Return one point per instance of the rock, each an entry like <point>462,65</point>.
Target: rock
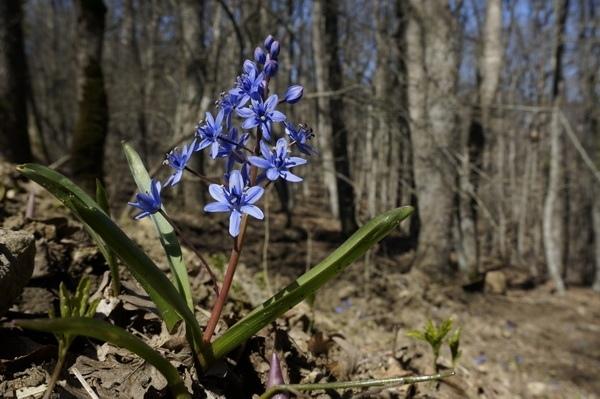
<point>495,282</point>
<point>17,254</point>
<point>537,388</point>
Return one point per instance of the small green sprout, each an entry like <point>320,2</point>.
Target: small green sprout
<point>435,336</point>
<point>71,305</point>
<point>453,344</point>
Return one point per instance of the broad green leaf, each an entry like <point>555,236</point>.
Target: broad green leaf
<point>166,298</point>
<point>117,336</point>
<point>311,281</point>
<point>102,200</point>
<point>166,233</point>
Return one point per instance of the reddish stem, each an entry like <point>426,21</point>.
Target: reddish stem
<point>215,315</point>
<point>234,258</point>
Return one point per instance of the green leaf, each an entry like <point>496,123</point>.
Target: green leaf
<point>109,256</point>
<point>166,298</point>
<point>311,281</point>
<point>454,344</point>
<point>166,233</point>
<point>416,334</point>
<point>117,336</point>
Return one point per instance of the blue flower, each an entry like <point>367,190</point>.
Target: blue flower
<point>233,146</point>
<point>261,114</point>
<point>209,133</point>
<point>250,84</point>
<point>300,136</point>
<point>236,199</point>
<point>277,163</point>
<point>149,203</point>
<point>178,159</point>
<point>229,103</point>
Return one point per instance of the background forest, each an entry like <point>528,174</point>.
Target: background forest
<point>483,115</point>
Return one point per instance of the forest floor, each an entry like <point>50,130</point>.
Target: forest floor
<point>525,343</point>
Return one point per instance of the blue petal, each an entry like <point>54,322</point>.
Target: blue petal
<point>236,183</point>
<point>266,129</point>
<point>277,116</point>
<point>250,123</point>
<point>281,148</point>
<point>259,162</point>
<point>174,179</point>
<point>289,176</point>
<point>272,174</point>
<point>234,223</point>
<point>203,144</point>
<point>141,215</point>
<point>253,194</point>
<point>214,150</point>
<point>209,119</point>
<point>245,112</point>
<point>249,67</point>
<point>295,161</point>
<point>219,119</point>
<point>216,207</point>
<point>271,102</point>
<point>265,150</point>
<point>252,210</point>
<point>218,193</point>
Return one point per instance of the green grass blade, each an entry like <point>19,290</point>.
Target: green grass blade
<point>117,336</point>
<point>109,256</point>
<point>311,281</point>
<point>166,298</point>
<point>166,233</point>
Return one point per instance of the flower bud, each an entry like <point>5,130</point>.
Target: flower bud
<point>259,55</point>
<point>294,94</point>
<point>271,68</point>
<point>249,67</point>
<point>276,376</point>
<point>268,41</point>
<point>274,50</point>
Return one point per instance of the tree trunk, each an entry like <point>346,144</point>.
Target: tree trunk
<point>345,188</point>
<point>139,85</point>
<point>405,194</point>
<point>554,212</point>
<point>324,128</point>
<point>193,100</point>
<point>432,71</point>
<point>473,141</point>
<point>14,85</point>
<point>87,149</point>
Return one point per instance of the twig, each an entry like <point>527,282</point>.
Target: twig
<point>84,383</point>
<point>356,384</point>
<point>203,179</point>
<point>332,93</point>
<point>577,144</point>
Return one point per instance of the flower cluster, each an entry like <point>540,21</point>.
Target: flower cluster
<point>246,114</point>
